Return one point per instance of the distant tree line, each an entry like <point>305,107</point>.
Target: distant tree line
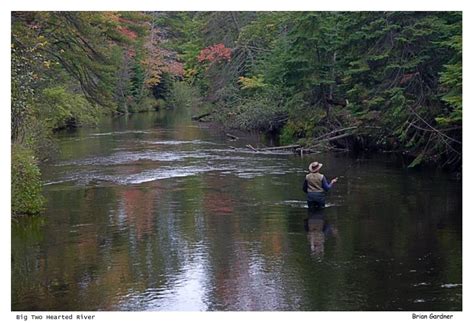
<point>388,81</point>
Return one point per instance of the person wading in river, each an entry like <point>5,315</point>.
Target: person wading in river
<point>315,185</point>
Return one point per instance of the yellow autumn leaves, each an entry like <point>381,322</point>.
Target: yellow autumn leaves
<point>254,82</point>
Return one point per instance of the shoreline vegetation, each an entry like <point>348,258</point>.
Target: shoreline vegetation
<point>338,81</point>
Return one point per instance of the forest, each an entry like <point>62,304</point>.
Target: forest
<point>352,81</point>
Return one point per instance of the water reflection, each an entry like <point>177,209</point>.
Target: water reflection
<point>318,230</point>
<point>185,289</point>
<point>136,205</point>
<point>157,214</point>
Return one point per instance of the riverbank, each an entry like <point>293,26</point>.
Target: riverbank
<point>361,139</point>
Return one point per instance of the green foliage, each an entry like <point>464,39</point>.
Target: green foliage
<point>147,103</point>
<point>182,95</point>
<point>312,61</point>
<point>25,182</point>
<point>262,111</point>
<point>137,79</point>
<point>23,82</point>
<point>416,161</point>
<point>184,37</point>
<point>294,129</point>
<point>67,69</point>
<point>451,78</point>
<point>61,109</point>
<point>159,104</point>
<point>391,73</point>
<point>254,82</point>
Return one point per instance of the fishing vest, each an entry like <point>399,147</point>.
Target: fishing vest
<point>315,182</point>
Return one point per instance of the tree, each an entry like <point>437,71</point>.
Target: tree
<point>66,70</point>
<point>394,76</point>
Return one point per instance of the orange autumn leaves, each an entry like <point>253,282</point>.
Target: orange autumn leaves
<point>215,53</point>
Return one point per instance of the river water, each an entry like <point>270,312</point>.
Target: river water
<point>156,213</point>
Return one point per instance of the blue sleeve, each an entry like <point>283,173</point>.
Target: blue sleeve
<point>326,186</point>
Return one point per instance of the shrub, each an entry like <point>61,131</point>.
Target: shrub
<point>26,197</point>
<point>60,108</point>
<point>183,95</point>
<point>160,104</point>
<point>261,111</point>
<point>146,104</point>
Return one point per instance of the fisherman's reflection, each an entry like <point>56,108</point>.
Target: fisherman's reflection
<point>318,230</point>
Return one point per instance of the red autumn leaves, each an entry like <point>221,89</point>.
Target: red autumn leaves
<point>215,53</point>
<point>127,32</point>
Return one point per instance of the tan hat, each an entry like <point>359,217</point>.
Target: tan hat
<point>314,167</point>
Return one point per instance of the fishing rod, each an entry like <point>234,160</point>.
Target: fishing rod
<point>343,174</point>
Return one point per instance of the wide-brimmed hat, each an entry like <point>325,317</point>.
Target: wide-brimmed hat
<point>314,167</point>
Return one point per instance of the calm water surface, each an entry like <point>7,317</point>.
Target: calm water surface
<point>154,212</point>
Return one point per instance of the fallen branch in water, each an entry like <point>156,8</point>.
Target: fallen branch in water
<point>294,147</point>
<point>302,151</point>
<point>199,117</point>
<point>281,147</point>
<point>231,136</point>
<point>336,149</point>
<point>322,141</point>
<point>333,132</point>
<point>251,147</point>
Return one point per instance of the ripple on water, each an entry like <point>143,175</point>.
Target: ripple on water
<point>119,133</point>
<point>126,157</point>
<point>450,285</point>
<point>156,174</point>
<point>421,284</point>
<point>301,204</point>
<point>179,163</point>
<point>179,142</point>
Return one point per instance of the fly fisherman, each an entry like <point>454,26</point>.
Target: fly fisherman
<point>315,185</point>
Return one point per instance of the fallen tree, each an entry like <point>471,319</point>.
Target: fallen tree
<point>288,147</point>
<point>201,116</point>
<point>281,147</point>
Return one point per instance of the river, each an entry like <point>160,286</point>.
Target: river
<point>154,212</point>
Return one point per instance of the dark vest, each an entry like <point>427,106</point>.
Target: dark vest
<point>315,182</point>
